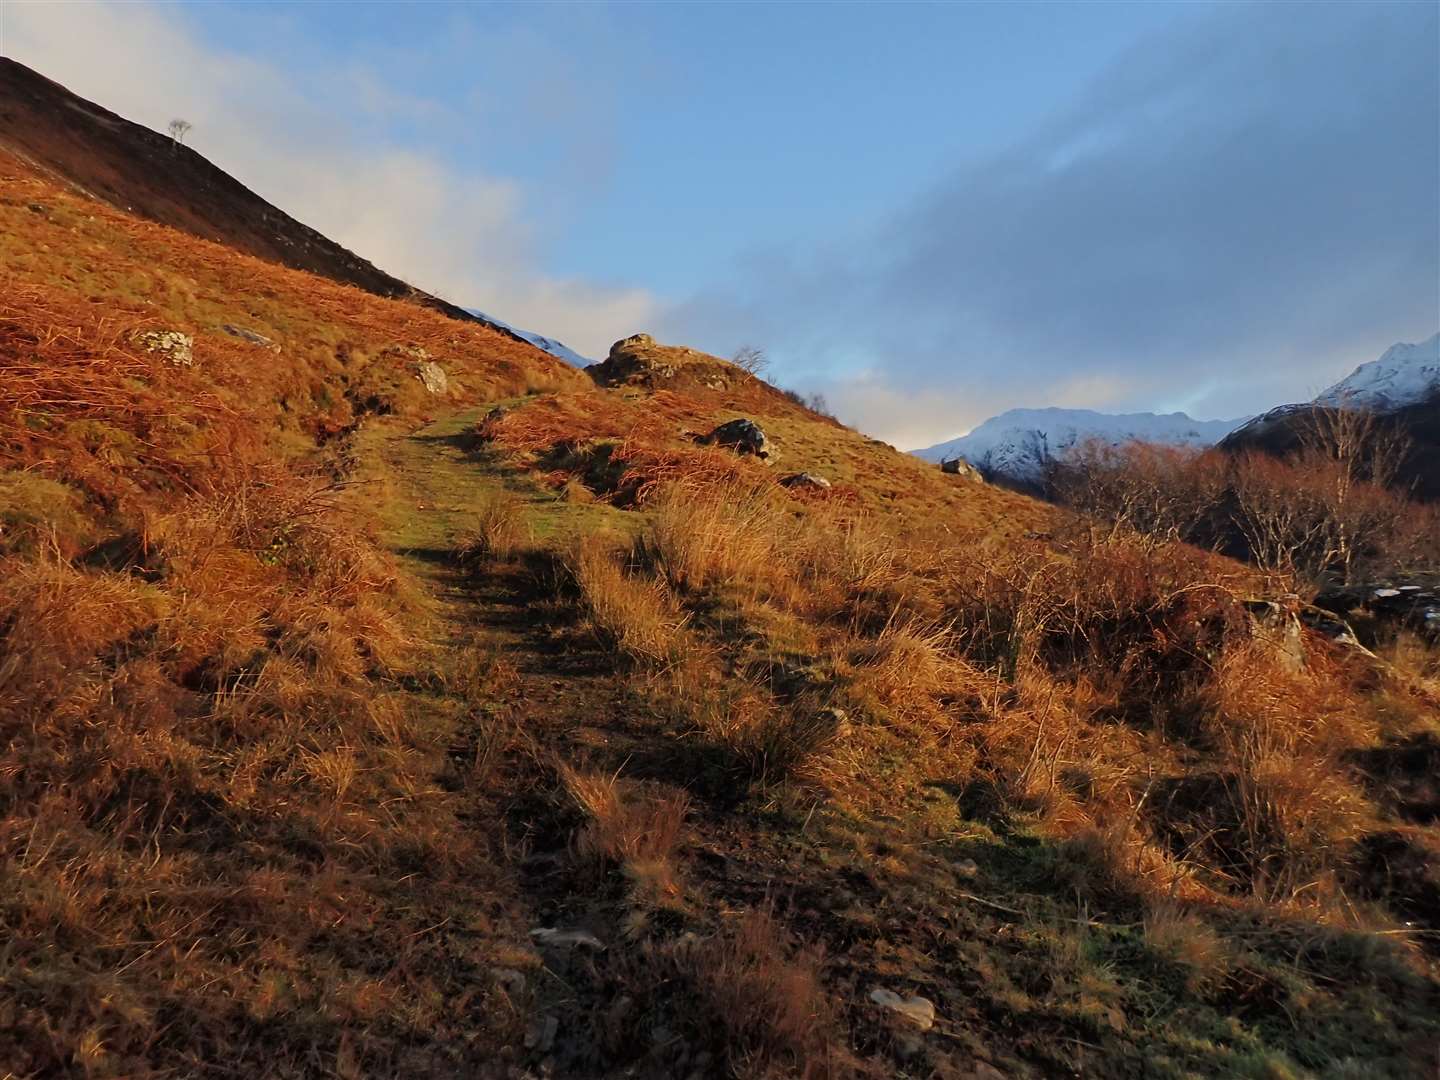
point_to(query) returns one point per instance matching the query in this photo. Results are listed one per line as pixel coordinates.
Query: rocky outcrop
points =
(1412, 606)
(432, 376)
(260, 341)
(639, 360)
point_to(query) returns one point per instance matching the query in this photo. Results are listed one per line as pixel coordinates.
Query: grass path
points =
(544, 704)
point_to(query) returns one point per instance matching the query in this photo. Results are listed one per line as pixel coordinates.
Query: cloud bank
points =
(1237, 212)
(457, 233)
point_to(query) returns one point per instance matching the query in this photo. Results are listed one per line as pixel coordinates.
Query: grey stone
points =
(566, 939)
(433, 376)
(244, 334)
(918, 1010)
(171, 344)
(958, 466)
(806, 481)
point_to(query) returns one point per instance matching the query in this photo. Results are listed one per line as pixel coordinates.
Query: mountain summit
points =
(1404, 375)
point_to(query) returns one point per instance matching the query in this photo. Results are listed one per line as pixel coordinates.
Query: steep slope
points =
(148, 174)
(1019, 444)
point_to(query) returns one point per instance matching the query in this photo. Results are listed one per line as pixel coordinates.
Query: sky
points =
(929, 213)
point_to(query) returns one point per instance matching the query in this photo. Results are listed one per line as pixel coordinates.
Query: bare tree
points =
(750, 358)
(1358, 454)
(179, 129)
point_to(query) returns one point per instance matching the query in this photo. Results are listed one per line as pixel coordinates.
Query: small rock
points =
(259, 340)
(171, 344)
(566, 938)
(918, 1010)
(835, 721)
(806, 481)
(541, 1035)
(433, 376)
(509, 978)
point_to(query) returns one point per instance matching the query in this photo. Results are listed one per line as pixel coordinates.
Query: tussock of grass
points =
(635, 829)
(769, 997)
(630, 614)
(501, 531)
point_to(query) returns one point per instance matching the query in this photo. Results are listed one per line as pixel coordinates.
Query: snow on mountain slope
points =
(1018, 444)
(550, 345)
(1404, 375)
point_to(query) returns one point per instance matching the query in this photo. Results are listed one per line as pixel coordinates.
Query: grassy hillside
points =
(321, 694)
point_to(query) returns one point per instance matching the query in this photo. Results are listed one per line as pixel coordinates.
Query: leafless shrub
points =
(752, 359)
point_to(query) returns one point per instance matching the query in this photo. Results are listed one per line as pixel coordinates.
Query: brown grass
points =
(769, 997)
(501, 531)
(212, 775)
(633, 828)
(628, 613)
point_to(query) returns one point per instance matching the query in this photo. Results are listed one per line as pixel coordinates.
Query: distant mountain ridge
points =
(1404, 375)
(1019, 444)
(540, 341)
(1402, 387)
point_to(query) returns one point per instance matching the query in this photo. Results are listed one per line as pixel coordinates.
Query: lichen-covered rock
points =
(433, 376)
(744, 437)
(176, 347)
(918, 1010)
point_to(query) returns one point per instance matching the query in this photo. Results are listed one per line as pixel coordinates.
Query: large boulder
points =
(744, 437)
(432, 376)
(958, 466)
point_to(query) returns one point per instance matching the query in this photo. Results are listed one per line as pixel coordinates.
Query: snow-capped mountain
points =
(1404, 375)
(550, 345)
(1019, 444)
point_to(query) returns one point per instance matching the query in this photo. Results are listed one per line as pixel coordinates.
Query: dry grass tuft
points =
(770, 998)
(501, 531)
(1192, 946)
(628, 613)
(635, 828)
(731, 534)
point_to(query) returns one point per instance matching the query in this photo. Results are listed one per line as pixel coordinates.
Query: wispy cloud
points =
(465, 235)
(1246, 203)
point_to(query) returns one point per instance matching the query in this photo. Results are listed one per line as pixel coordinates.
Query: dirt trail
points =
(553, 703)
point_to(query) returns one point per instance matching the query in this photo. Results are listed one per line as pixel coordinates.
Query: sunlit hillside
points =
(381, 696)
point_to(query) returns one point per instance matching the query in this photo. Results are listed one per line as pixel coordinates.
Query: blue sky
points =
(930, 212)
(711, 124)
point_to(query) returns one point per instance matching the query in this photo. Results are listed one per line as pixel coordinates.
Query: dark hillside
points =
(148, 174)
(1278, 433)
